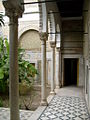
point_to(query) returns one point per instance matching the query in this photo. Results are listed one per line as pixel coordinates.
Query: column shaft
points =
(89, 91)
(53, 71)
(58, 69)
(89, 69)
(13, 77)
(43, 73)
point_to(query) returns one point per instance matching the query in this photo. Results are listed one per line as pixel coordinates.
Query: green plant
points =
(1, 102)
(26, 70)
(4, 64)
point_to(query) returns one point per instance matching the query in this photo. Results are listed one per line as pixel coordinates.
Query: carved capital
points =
(52, 44)
(58, 49)
(12, 13)
(43, 36)
(13, 8)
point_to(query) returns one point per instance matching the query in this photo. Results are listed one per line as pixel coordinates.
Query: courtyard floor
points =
(67, 104)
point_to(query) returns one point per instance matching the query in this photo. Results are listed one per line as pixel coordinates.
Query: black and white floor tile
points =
(66, 108)
(5, 114)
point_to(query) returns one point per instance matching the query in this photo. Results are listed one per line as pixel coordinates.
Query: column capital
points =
(12, 13)
(43, 36)
(58, 49)
(52, 44)
(13, 8)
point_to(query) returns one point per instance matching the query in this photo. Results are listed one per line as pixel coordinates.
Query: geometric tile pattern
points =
(66, 108)
(5, 114)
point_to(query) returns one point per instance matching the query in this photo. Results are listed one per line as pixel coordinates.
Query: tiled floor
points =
(66, 108)
(68, 104)
(5, 114)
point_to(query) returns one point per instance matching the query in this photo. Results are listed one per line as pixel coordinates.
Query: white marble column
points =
(47, 72)
(57, 68)
(53, 69)
(43, 37)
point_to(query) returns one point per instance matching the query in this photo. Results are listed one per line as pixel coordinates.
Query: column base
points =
(44, 103)
(52, 93)
(57, 87)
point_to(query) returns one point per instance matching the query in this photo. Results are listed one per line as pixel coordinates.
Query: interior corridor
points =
(68, 104)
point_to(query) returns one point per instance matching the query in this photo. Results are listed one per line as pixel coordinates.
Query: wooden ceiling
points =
(70, 8)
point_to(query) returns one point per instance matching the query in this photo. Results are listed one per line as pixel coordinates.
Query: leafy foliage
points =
(4, 64)
(26, 70)
(1, 102)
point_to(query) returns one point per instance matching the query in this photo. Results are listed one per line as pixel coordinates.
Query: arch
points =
(43, 25)
(55, 19)
(29, 27)
(53, 8)
(52, 27)
(58, 37)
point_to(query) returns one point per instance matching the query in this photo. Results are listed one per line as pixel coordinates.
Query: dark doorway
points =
(70, 72)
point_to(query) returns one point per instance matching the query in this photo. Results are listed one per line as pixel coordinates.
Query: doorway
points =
(70, 71)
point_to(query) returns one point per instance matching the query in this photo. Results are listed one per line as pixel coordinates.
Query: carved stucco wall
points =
(30, 40)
